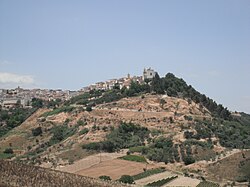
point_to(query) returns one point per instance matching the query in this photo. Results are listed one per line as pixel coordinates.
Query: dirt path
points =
(155, 177)
(183, 181)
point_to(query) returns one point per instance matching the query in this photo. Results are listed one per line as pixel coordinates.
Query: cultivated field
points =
(154, 178)
(183, 181)
(90, 161)
(115, 169)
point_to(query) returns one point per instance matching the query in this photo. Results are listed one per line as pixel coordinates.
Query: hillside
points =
(16, 174)
(166, 121)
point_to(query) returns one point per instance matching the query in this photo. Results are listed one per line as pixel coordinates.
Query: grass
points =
(84, 131)
(162, 181)
(148, 173)
(137, 149)
(6, 156)
(58, 110)
(135, 158)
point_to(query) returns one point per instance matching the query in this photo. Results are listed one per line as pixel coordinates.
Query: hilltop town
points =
(12, 97)
(158, 128)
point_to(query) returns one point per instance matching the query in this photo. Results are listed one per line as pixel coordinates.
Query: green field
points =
(148, 173)
(161, 182)
(135, 158)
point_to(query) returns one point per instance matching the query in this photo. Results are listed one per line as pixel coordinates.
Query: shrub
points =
(104, 177)
(80, 122)
(92, 146)
(84, 131)
(188, 160)
(88, 108)
(241, 178)
(8, 151)
(37, 131)
(127, 179)
(60, 133)
(58, 110)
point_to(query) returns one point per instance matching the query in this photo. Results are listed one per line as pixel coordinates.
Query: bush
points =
(37, 131)
(88, 108)
(92, 146)
(84, 131)
(8, 151)
(80, 123)
(127, 179)
(241, 178)
(60, 133)
(58, 110)
(188, 160)
(104, 177)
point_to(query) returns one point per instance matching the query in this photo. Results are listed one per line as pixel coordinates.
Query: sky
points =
(61, 44)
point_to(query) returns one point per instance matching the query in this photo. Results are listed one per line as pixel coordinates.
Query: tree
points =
(157, 85)
(8, 151)
(88, 108)
(104, 177)
(116, 86)
(37, 103)
(188, 160)
(37, 131)
(127, 179)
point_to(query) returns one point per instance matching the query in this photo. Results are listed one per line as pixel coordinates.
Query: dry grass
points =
(227, 168)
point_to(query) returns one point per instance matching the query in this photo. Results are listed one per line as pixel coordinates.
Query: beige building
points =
(148, 73)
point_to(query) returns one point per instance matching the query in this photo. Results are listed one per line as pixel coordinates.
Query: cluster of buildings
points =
(19, 96)
(121, 82)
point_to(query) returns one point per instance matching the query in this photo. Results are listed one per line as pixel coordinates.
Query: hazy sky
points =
(71, 44)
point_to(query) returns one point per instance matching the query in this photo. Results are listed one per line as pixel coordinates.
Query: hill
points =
(164, 120)
(16, 174)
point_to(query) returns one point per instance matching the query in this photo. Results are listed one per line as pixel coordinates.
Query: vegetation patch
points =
(137, 149)
(104, 177)
(125, 136)
(127, 179)
(84, 131)
(6, 155)
(161, 182)
(58, 110)
(135, 158)
(61, 132)
(162, 150)
(148, 173)
(12, 118)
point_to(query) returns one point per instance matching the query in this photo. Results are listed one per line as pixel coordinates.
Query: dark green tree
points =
(127, 179)
(157, 84)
